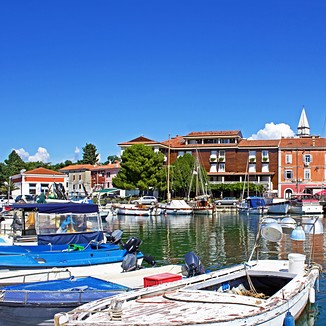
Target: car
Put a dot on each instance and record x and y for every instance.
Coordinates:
(4, 200)
(227, 201)
(25, 199)
(145, 200)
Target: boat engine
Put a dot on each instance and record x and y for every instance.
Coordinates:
(129, 263)
(114, 237)
(132, 245)
(192, 265)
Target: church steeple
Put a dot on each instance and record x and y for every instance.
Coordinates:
(303, 126)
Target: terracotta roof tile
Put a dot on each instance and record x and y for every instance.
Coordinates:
(259, 143)
(43, 171)
(226, 133)
(77, 167)
(139, 140)
(302, 142)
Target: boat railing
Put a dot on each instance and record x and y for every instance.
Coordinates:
(45, 275)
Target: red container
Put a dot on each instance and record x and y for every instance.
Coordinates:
(161, 278)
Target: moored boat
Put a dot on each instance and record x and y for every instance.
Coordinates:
(305, 204)
(34, 303)
(280, 206)
(253, 205)
(177, 207)
(138, 209)
(258, 292)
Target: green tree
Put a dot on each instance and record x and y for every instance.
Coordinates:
(11, 166)
(141, 169)
(181, 173)
(90, 155)
(112, 159)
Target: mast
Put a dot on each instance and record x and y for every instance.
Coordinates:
(168, 181)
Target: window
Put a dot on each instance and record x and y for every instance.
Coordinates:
(288, 158)
(213, 168)
(180, 153)
(265, 167)
(252, 167)
(265, 155)
(221, 167)
(252, 156)
(288, 174)
(306, 173)
(307, 158)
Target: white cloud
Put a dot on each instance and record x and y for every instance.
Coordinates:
(41, 155)
(77, 153)
(22, 153)
(274, 131)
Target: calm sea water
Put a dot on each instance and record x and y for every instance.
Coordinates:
(219, 241)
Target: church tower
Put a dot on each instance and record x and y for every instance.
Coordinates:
(303, 126)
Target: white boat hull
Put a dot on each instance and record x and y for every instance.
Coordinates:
(306, 209)
(138, 211)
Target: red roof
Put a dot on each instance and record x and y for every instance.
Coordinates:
(43, 171)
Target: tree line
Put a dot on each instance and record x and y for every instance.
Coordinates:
(141, 168)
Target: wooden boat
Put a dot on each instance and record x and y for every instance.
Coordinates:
(33, 303)
(138, 210)
(258, 292)
(305, 204)
(177, 207)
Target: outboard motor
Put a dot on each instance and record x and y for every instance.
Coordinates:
(114, 237)
(129, 263)
(132, 245)
(192, 265)
(150, 260)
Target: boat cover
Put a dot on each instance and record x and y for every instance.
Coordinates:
(59, 208)
(68, 238)
(71, 290)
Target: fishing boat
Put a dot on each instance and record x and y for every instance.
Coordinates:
(258, 292)
(304, 203)
(253, 205)
(34, 303)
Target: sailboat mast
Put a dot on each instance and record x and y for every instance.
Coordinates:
(168, 181)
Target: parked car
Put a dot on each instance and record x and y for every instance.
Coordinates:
(227, 201)
(25, 199)
(4, 200)
(145, 200)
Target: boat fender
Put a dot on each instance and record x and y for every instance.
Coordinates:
(289, 319)
(312, 295)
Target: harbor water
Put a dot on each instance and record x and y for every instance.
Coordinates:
(222, 240)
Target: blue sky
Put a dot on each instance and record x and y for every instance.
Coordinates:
(74, 72)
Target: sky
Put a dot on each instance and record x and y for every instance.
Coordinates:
(102, 72)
